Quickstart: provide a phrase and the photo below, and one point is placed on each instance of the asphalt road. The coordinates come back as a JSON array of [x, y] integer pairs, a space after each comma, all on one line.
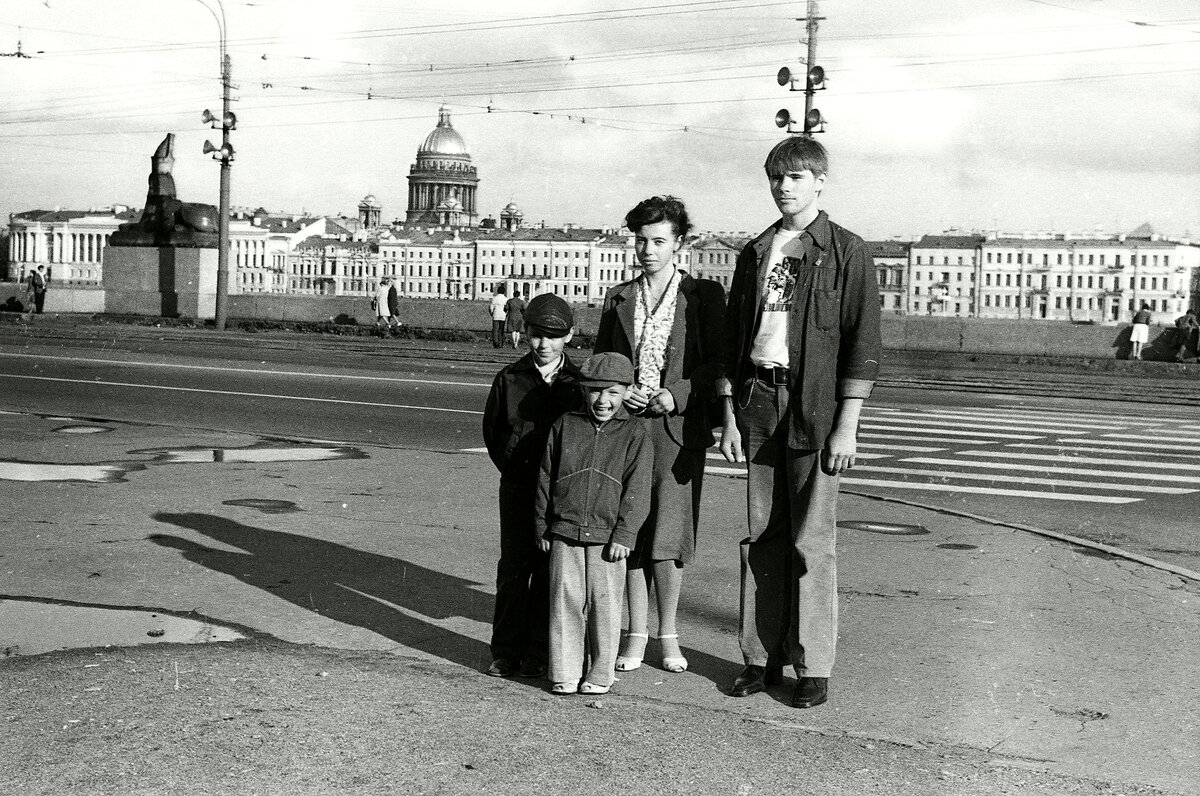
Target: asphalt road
[[965, 646], [1118, 473]]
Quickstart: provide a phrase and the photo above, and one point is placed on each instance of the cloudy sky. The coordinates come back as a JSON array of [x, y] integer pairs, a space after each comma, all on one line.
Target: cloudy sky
[[969, 114]]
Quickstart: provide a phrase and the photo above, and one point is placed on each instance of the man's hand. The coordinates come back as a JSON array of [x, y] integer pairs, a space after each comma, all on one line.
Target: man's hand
[[840, 449], [614, 552], [731, 436], [543, 544]]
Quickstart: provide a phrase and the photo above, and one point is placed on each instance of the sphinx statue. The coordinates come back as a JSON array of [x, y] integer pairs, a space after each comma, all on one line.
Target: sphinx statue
[[166, 221]]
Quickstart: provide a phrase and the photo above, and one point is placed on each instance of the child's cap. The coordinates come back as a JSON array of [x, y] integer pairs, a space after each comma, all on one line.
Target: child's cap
[[551, 313], [604, 370]]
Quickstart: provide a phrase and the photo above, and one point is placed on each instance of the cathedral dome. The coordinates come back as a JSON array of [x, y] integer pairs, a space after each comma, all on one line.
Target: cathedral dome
[[444, 139]]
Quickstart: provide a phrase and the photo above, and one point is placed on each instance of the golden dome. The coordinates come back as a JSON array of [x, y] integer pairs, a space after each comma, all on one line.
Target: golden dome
[[444, 140]]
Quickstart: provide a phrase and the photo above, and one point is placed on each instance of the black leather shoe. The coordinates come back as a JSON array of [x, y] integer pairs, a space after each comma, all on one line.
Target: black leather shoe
[[502, 667], [810, 692], [754, 679], [531, 668]]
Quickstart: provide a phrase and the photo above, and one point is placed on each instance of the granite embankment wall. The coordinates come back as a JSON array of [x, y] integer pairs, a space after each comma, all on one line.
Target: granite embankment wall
[[959, 335], [903, 333]]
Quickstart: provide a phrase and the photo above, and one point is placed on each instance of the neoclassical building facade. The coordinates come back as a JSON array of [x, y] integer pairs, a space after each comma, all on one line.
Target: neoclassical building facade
[[442, 250]]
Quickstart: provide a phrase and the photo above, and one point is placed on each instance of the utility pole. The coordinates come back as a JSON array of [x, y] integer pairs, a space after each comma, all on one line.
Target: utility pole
[[228, 121], [810, 88], [814, 81], [224, 153]]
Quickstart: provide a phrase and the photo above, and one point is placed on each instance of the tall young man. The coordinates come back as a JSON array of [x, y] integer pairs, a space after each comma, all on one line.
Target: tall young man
[[800, 355]]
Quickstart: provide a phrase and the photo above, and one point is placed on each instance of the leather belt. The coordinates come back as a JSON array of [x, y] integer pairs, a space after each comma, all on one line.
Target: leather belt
[[776, 377]]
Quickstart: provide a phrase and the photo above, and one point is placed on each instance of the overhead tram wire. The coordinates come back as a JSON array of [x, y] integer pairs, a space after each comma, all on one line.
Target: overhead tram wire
[[632, 12], [580, 109]]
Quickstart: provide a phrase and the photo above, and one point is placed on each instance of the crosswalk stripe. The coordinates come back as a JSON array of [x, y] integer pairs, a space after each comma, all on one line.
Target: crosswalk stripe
[[1024, 413], [1044, 457], [907, 448], [1167, 434], [1023, 479], [859, 455], [1101, 446], [923, 438], [982, 490], [1125, 476], [992, 419], [952, 432], [983, 425], [1104, 416]]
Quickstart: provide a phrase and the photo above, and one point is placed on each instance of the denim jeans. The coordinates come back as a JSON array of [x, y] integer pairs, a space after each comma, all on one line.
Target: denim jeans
[[789, 558]]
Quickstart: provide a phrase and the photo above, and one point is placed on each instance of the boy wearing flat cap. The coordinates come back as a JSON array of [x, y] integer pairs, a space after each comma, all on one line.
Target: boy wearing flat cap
[[593, 495], [526, 398]]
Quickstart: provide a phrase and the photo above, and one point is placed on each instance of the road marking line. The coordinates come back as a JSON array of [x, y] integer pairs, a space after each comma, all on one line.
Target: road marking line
[[99, 383], [979, 425], [1022, 479], [861, 455], [1031, 414], [1187, 479], [923, 438], [908, 448], [1098, 415], [952, 432], [339, 376], [1105, 446], [981, 490], [1173, 436], [992, 419], [1045, 457]]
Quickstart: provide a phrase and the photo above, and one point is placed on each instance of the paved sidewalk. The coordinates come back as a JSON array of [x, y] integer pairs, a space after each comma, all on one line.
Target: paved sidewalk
[[973, 659]]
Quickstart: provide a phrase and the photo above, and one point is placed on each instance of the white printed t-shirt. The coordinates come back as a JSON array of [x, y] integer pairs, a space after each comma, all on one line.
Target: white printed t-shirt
[[770, 346]]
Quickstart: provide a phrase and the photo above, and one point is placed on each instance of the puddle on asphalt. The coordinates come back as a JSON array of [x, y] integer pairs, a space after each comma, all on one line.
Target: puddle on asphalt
[[28, 627], [886, 528], [91, 473], [76, 429], [254, 454], [265, 505]]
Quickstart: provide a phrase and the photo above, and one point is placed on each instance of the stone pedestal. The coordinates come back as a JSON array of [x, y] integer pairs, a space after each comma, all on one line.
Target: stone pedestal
[[166, 282]]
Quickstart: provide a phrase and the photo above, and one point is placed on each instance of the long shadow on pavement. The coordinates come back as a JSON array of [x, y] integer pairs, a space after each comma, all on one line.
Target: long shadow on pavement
[[347, 585]]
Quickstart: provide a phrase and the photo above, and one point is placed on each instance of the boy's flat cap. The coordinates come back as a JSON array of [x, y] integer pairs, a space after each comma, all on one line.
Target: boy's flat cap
[[601, 370], [551, 313]]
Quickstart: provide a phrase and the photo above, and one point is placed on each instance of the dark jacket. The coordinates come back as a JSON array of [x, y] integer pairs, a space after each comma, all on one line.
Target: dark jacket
[[519, 412], [594, 485], [393, 300], [692, 354], [833, 330]]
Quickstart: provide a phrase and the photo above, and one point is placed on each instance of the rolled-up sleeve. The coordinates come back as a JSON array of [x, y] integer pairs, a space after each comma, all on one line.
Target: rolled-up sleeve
[[860, 349]]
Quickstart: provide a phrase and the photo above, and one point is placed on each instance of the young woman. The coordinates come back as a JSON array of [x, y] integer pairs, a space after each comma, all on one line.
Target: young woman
[[669, 325]]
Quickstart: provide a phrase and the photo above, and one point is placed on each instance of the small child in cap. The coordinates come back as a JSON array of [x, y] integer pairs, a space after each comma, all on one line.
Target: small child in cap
[[526, 398], [593, 496]]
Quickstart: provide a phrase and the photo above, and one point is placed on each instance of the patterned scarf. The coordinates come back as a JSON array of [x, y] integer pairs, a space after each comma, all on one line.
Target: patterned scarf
[[653, 331]]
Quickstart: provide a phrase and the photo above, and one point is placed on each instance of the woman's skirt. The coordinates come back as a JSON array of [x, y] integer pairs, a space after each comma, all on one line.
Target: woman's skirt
[[670, 530]]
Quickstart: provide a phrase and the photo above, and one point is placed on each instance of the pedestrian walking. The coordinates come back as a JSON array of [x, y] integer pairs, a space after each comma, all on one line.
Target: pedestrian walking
[[386, 304], [593, 495], [496, 312], [1187, 336], [37, 288], [1140, 334], [526, 398], [669, 324], [801, 354], [514, 318]]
